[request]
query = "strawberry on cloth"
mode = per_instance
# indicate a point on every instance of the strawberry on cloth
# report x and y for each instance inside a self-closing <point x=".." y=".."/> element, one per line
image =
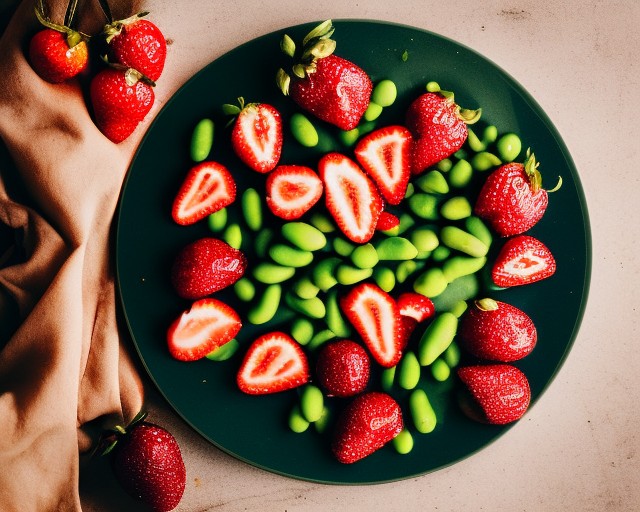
<point x="64" y="360"/>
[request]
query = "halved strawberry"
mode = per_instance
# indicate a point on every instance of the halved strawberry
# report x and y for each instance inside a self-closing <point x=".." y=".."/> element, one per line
<point x="522" y="260"/>
<point x="414" y="308"/>
<point x="351" y="197"/>
<point x="207" y="325"/>
<point x="292" y="190"/>
<point x="256" y="136"/>
<point x="274" y="362"/>
<point x="376" y="317"/>
<point x="207" y="188"/>
<point x="385" y="154"/>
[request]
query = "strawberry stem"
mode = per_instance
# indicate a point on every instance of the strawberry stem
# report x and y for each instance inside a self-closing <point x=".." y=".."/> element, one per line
<point x="70" y="15"/>
<point x="104" y="5"/>
<point x="73" y="36"/>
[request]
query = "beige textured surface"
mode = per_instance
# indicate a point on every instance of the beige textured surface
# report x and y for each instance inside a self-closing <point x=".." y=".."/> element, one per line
<point x="577" y="449"/>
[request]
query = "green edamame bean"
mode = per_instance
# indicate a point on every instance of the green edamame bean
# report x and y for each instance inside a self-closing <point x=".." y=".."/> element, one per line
<point x="262" y="241"/>
<point x="424" y="239"/>
<point x="387" y="378"/>
<point x="217" y="221"/>
<point x="333" y="317"/>
<point x="406" y="222"/>
<point x="323" y="274"/>
<point x="490" y="134"/>
<point x="349" y="137"/>
<point x="474" y="142"/>
<point x="395" y="248"/>
<point x="440" y="370"/>
<point x="403" y="442"/>
<point x="459" y="266"/>
<point x="422" y="413"/>
<point x="484" y="161"/>
<point x="509" y="147"/>
<point x="404" y="270"/>
<point x="463" y="288"/>
<point x="440" y="253"/>
<point x="433" y="182"/>
<point x="288" y="255"/>
<point x="461" y="154"/>
<point x="384" y="277"/>
<point x="252" y="209"/>
<point x="384" y="93"/>
<point x="233" y="235"/>
<point x="431" y="283"/>
<point x="297" y="422"/>
<point x="305" y="288"/>
<point x="267" y="305"/>
<point x="202" y="140"/>
<point x="366" y="127"/>
<point x="245" y="289"/>
<point x="343" y="247"/>
<point x="479" y="229"/>
<point x="313" y="308"/>
<point x="444" y="165"/>
<point x="460" y="174"/>
<point x="424" y="206"/>
<point x="224" y="352"/>
<point x="311" y="403"/>
<point x="437" y="337"/>
<point x="303" y="130"/>
<point x="270" y="273"/>
<point x="320" y="338"/>
<point x="322" y="423"/>
<point x="455" y="238"/>
<point x="348" y="274"/>
<point x="456" y="208"/>
<point x="365" y="256"/>
<point x="459" y="308"/>
<point x="302" y="330"/>
<point x="304" y="236"/>
<point x="322" y="222"/>
<point x="410" y="190"/>
<point x="408" y="371"/>
<point x="373" y="111"/>
<point x="452" y="355"/>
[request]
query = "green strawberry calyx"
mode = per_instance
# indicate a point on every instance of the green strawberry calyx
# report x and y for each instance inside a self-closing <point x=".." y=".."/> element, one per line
<point x="114" y="434"/>
<point x="534" y="176"/>
<point x="486" y="304"/>
<point x="74" y="37"/>
<point x="466" y="115"/>
<point x="114" y="27"/>
<point x="316" y="45"/>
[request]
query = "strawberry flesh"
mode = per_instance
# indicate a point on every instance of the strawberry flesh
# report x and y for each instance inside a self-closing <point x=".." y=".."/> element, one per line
<point x="206" y="266"/>
<point x="257" y="136"/>
<point x="343" y="368"/>
<point x="207" y="325"/>
<point x="274" y="362"/>
<point x="522" y="260"/>
<point x="292" y="190"/>
<point x="369" y="422"/>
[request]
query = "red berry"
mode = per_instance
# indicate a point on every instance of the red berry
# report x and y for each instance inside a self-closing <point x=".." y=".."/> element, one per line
<point x="522" y="260"/>
<point x="53" y="58"/>
<point x="292" y="190"/>
<point x="343" y="368"/>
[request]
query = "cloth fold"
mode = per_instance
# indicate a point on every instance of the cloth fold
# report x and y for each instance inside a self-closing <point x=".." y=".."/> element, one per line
<point x="64" y="362"/>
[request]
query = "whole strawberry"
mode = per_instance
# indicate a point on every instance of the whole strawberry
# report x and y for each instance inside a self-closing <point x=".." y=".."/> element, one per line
<point x="137" y="43"/>
<point x="497" y="331"/>
<point x="512" y="199"/>
<point x="206" y="266"/>
<point x="121" y="99"/>
<point x="366" y="424"/>
<point x="57" y="53"/>
<point x="497" y="393"/>
<point x="332" y="88"/>
<point x="438" y="125"/>
<point x="343" y="368"/>
<point x="147" y="462"/>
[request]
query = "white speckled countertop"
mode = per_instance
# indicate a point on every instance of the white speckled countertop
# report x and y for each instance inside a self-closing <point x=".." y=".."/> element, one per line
<point x="577" y="448"/>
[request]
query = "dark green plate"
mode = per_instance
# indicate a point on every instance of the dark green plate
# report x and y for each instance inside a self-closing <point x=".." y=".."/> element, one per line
<point x="254" y="429"/>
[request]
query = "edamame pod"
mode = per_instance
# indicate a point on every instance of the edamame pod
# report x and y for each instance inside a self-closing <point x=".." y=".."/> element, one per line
<point x="440" y="370"/>
<point x="406" y="222"/>
<point x="444" y="165"/>
<point x="424" y="206"/>
<point x="384" y="93"/>
<point x="305" y="288"/>
<point x="384" y="277"/>
<point x="431" y="283"/>
<point x="451" y="356"/>
<point x="313" y="308"/>
<point x="322" y="424"/>
<point x="422" y="413"/>
<point x="474" y="142"/>
<point x="224" y="352"/>
<point x="323" y="274"/>
<point x="343" y="247"/>
<point x="440" y="253"/>
<point x="459" y="308"/>
<point x="463" y="288"/>
<point x="395" y="248"/>
<point x="233" y="235"/>
<point x="262" y="242"/>
<point x="304" y="236"/>
<point x="403" y="442"/>
<point x="365" y="256"/>
<point x="459" y="266"/>
<point x="348" y="274"/>
<point x="202" y="140"/>
<point x="387" y="378"/>
<point x="458" y="239"/>
<point x="490" y="134"/>
<point x="424" y="239"/>
<point x="349" y="137"/>
<point x="322" y="222"/>
<point x="320" y="338"/>
<point x="245" y="290"/>
<point x="335" y="321"/>
<point x="484" y="161"/>
<point x="479" y="229"/>
<point x="408" y="371"/>
<point x="433" y="182"/>
<point x="217" y="221"/>
<point x="509" y="147"/>
<point x="297" y="422"/>
<point x="303" y="130"/>
<point x="456" y="208"/>
<point x="270" y="273"/>
<point x="460" y="174"/>
<point x="437" y="337"/>
<point x="252" y="209"/>
<point x="291" y="256"/>
<point x="311" y="403"/>
<point x="373" y="111"/>
<point x="267" y="306"/>
<point x="302" y="330"/>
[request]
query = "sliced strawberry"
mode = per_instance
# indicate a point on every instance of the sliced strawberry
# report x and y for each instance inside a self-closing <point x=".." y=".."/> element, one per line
<point x="207" y="188"/>
<point x="351" y="197"/>
<point x="207" y="325"/>
<point x="257" y="136"/>
<point x="369" y="422"/>
<point x="416" y="306"/>
<point x="387" y="221"/>
<point x="522" y="260"/>
<point x="497" y="393"/>
<point x="292" y="190"/>
<point x="376" y="317"/>
<point x="274" y="362"/>
<point x="385" y="154"/>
